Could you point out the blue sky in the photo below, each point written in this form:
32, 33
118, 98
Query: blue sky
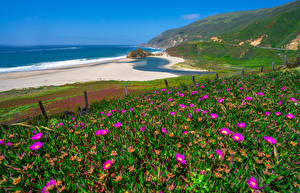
42, 22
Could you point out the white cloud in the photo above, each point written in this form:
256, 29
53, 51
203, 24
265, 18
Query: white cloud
190, 16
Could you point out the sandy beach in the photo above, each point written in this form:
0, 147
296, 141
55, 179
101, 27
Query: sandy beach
113, 70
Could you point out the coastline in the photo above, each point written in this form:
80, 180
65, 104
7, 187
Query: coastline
120, 70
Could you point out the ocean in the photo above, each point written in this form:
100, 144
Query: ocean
13, 59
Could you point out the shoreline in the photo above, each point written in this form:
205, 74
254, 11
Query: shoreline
120, 70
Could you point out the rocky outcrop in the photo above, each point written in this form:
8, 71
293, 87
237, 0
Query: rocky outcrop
138, 54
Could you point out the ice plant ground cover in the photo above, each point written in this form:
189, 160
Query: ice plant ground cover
190, 143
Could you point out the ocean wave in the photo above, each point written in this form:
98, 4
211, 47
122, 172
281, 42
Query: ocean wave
57, 64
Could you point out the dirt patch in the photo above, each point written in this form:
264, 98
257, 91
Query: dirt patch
294, 44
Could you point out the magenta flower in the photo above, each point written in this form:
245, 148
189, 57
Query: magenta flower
107, 165
172, 113
293, 99
248, 98
290, 116
48, 186
241, 88
241, 125
182, 95
73, 119
267, 113
163, 90
181, 106
283, 88
123, 111
220, 154
204, 112
280, 102
277, 113
190, 115
191, 105
262, 88
108, 114
270, 139
101, 132
213, 115
60, 124
205, 96
202, 86
220, 100
37, 136
9, 144
186, 132
197, 110
102, 112
131, 109
142, 129
228, 89
260, 94
180, 158
252, 183
155, 92
118, 124
170, 99
36, 145
164, 130
237, 137
1, 141
225, 131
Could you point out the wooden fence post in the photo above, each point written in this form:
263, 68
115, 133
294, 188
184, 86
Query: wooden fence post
193, 78
243, 73
166, 82
86, 101
273, 66
126, 90
261, 69
217, 76
285, 60
43, 110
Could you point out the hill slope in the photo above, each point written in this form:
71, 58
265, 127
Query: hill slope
234, 22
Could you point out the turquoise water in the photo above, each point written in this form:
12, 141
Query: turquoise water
31, 58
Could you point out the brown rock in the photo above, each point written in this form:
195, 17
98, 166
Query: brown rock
138, 54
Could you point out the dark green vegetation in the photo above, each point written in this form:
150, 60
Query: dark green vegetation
144, 161
223, 57
279, 24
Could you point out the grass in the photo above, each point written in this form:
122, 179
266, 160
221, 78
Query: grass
142, 155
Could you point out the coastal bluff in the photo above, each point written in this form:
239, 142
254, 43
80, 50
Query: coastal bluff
138, 54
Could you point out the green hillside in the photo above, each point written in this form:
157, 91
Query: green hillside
209, 54
230, 23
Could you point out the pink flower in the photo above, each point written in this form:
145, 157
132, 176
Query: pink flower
262, 88
172, 113
123, 111
60, 124
180, 158
241, 125
155, 92
202, 86
290, 116
73, 119
220, 100
252, 183
102, 112
48, 186
237, 137
1, 141
293, 99
213, 115
9, 144
267, 113
164, 130
108, 114
190, 115
170, 99
280, 102
204, 112
220, 154
228, 89
131, 109
107, 165
163, 90
283, 88
186, 132
101, 132
181, 106
197, 110
225, 131
182, 95
248, 98
270, 139
37, 136
241, 88
205, 96
260, 94
142, 128
118, 124
191, 105
277, 113
36, 145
